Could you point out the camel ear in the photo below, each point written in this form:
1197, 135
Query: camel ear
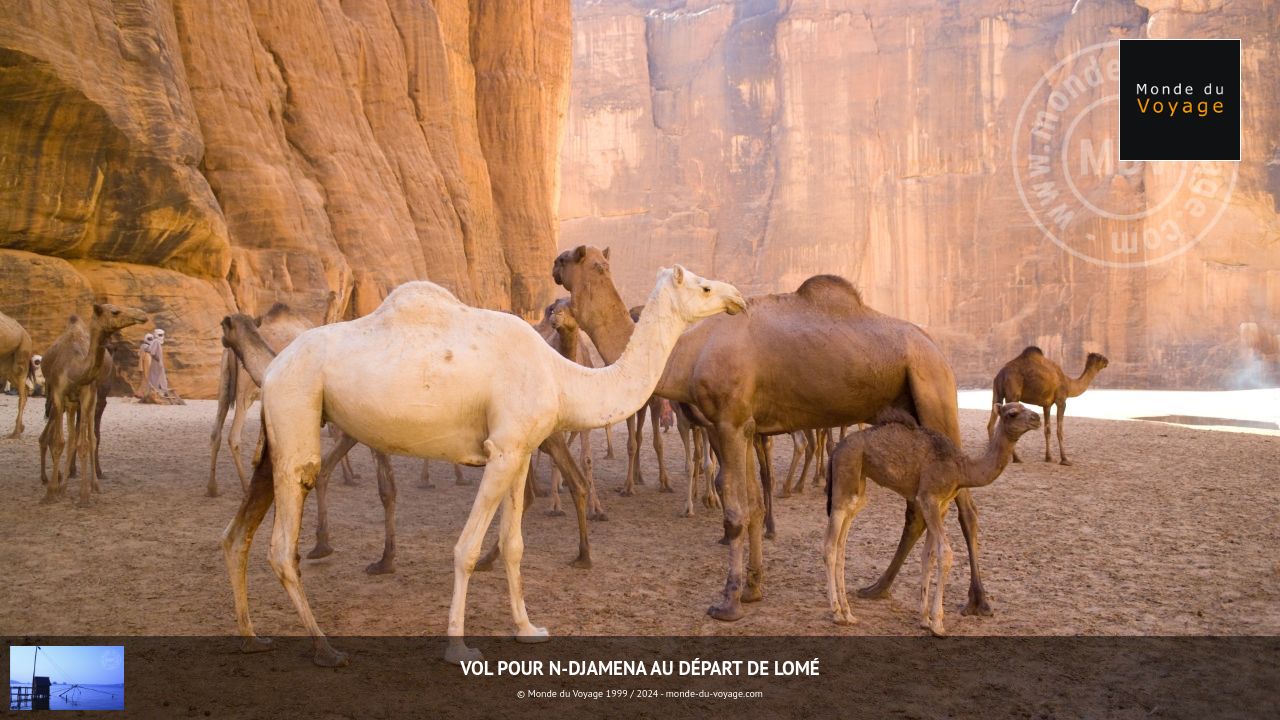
606, 253
677, 274
996, 407
579, 253
98, 309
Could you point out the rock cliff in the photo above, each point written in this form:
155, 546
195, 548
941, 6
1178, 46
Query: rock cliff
195, 157
763, 141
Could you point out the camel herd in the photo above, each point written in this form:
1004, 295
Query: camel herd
485, 388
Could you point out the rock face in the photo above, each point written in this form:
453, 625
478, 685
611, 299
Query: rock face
761, 142
196, 157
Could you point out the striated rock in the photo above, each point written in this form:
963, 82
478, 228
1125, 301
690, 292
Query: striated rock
761, 142
195, 157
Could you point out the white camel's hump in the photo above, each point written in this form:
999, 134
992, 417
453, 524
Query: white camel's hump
417, 300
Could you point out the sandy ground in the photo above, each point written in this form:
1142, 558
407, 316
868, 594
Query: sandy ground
1156, 530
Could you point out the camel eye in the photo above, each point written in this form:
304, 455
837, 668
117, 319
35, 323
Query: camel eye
706, 289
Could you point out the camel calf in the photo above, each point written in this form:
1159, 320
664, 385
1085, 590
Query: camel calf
927, 469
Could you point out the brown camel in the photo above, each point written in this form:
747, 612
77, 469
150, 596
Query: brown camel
15, 364
815, 358
1034, 379
927, 469
73, 367
241, 336
278, 327
104, 390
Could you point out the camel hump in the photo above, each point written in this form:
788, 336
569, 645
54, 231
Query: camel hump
898, 416
1031, 350
831, 291
420, 299
276, 309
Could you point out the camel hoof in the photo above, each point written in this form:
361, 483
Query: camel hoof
666, 489
532, 635
211, 492
937, 629
783, 495
724, 540
382, 567
842, 617
1017, 459
626, 492
321, 550
1065, 462
980, 608
464, 482
328, 657
256, 644
49, 499
752, 594
581, 563
555, 513
459, 653
770, 534
873, 592
14, 435
427, 485
688, 513
598, 517
83, 503
726, 612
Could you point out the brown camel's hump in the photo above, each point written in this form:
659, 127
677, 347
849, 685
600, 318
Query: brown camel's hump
275, 311
831, 291
1030, 351
893, 415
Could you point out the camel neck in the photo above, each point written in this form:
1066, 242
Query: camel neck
593, 398
254, 354
568, 343
984, 469
1077, 386
603, 316
97, 354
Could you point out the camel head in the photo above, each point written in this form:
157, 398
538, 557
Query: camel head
236, 327
574, 268
1097, 360
560, 316
1016, 419
697, 297
112, 317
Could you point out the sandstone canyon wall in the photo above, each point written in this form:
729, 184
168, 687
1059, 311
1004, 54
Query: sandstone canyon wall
197, 157
763, 141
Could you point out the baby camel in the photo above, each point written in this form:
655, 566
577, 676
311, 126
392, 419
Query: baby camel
927, 469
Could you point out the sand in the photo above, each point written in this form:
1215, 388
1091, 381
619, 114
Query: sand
1156, 530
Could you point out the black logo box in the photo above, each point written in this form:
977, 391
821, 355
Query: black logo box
1181, 65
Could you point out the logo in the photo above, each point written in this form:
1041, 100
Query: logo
1071, 181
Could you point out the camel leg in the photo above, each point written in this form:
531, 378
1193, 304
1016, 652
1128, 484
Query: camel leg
501, 477
558, 449
733, 444
54, 427
1062, 454
968, 513
73, 440
690, 467
336, 454
424, 478
710, 469
810, 444
785, 490
348, 473
822, 439
848, 497
84, 442
244, 398
912, 526
45, 435
759, 527
764, 453
608, 442
512, 552
236, 540
226, 396
386, 493
1048, 444
458, 477
100, 408
936, 561
588, 467
655, 419
486, 561
19, 379
292, 483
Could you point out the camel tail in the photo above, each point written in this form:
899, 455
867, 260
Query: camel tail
893, 415
226, 390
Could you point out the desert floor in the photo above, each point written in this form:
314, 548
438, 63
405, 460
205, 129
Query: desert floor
1157, 529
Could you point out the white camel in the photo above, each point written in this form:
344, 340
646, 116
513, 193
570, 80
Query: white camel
471, 386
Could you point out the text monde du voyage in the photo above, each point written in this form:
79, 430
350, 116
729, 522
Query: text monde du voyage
1179, 99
